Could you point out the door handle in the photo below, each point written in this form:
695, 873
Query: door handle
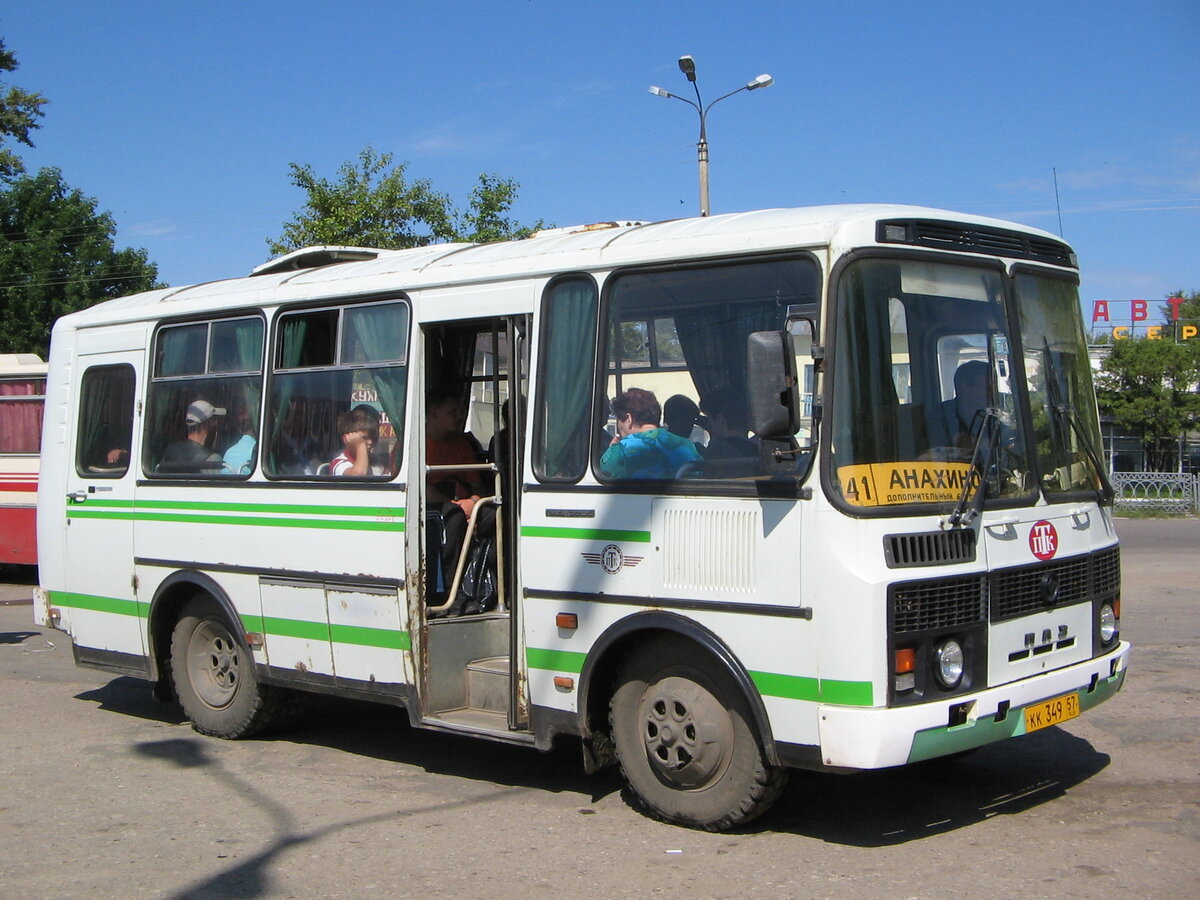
77, 496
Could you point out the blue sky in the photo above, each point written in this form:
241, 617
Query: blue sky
181, 119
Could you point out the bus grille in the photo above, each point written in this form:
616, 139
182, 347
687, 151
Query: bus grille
1019, 592
931, 548
946, 603
1006, 594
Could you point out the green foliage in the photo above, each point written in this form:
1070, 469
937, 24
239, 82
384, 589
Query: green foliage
1189, 310
57, 256
374, 204
1151, 385
19, 112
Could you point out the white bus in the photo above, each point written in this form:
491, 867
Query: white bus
22, 395
839, 563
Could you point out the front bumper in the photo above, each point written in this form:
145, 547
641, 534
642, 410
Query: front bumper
856, 738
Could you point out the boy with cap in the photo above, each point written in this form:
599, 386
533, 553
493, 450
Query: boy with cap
192, 454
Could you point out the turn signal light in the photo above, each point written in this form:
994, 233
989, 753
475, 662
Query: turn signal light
567, 620
906, 660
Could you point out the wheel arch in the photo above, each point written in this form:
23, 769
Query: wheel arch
169, 599
598, 676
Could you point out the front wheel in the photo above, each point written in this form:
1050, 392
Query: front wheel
214, 675
683, 736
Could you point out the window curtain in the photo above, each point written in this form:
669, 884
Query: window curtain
567, 376
21, 420
381, 332
106, 414
249, 343
292, 331
713, 339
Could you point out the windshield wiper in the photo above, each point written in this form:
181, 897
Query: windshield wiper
970, 502
1065, 413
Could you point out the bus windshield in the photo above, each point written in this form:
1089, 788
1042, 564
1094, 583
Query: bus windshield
1065, 422
924, 409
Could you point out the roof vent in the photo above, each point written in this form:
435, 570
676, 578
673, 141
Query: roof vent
314, 258
975, 239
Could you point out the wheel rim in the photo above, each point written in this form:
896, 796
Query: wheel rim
214, 662
687, 733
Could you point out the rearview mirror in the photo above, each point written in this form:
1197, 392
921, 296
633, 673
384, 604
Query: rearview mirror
771, 384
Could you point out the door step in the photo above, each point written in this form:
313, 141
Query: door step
489, 685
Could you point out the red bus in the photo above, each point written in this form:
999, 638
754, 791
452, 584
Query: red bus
22, 399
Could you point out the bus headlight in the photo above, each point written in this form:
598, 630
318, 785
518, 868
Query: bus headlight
1108, 623
948, 658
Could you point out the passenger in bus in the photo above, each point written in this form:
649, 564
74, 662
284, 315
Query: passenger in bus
680, 414
193, 453
641, 448
964, 414
359, 428
727, 428
239, 457
453, 492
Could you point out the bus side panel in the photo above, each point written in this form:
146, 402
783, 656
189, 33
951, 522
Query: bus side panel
317, 572
18, 524
613, 556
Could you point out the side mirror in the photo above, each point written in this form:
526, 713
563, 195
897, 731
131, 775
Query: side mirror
772, 384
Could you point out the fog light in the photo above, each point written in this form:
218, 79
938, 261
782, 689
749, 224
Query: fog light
1108, 623
948, 659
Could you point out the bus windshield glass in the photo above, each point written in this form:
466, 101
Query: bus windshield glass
1065, 422
924, 409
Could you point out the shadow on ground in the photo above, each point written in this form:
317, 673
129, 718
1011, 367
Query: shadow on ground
896, 806
867, 809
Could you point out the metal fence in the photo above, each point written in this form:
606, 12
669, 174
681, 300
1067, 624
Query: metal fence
1157, 492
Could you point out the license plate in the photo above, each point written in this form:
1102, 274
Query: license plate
1051, 712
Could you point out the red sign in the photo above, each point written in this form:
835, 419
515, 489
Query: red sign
1043, 540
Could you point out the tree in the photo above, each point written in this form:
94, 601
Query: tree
1150, 385
373, 204
1189, 309
19, 112
57, 256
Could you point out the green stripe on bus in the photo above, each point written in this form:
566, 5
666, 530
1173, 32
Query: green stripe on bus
801, 687
585, 534
117, 606
218, 506
555, 660
359, 635
371, 637
268, 521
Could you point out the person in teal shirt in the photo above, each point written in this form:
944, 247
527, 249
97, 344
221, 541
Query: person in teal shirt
641, 448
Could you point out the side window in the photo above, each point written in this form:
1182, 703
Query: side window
204, 398
568, 342
105, 427
338, 392
675, 382
21, 404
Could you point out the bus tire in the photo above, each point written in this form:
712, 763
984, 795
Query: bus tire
684, 740
214, 675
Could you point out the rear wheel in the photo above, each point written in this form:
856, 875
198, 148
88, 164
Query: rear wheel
214, 675
686, 746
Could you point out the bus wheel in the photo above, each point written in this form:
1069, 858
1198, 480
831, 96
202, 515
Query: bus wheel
684, 739
214, 675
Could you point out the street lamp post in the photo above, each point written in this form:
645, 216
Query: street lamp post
687, 66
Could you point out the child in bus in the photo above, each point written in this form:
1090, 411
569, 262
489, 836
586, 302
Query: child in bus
360, 430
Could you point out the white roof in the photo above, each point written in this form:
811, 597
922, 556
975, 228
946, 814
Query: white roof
599, 247
21, 364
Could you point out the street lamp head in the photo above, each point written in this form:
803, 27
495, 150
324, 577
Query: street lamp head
687, 66
760, 82
659, 92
